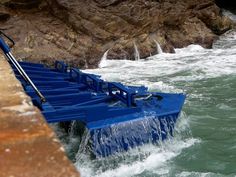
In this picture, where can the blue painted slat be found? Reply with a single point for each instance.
(74, 95)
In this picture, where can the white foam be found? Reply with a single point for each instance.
(190, 49)
(158, 159)
(229, 14)
(136, 52)
(188, 64)
(197, 174)
(103, 62)
(159, 49)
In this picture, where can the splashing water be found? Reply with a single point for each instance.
(204, 142)
(127, 135)
(138, 160)
(103, 62)
(136, 52)
(159, 50)
(229, 14)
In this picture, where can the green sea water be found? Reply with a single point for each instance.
(211, 110)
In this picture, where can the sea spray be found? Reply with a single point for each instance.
(70, 135)
(124, 136)
(75, 134)
(103, 62)
(136, 160)
(159, 49)
(136, 52)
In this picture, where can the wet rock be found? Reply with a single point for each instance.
(210, 15)
(227, 4)
(4, 16)
(22, 4)
(81, 31)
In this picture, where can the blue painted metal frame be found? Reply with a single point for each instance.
(66, 94)
(74, 95)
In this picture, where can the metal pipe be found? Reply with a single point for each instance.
(8, 58)
(24, 75)
(6, 50)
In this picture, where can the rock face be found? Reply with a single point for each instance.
(80, 31)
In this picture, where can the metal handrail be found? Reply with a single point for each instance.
(7, 52)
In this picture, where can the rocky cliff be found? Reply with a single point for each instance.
(80, 31)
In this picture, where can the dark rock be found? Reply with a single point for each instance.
(228, 4)
(4, 16)
(80, 31)
(22, 4)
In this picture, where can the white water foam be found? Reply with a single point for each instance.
(159, 50)
(158, 159)
(136, 52)
(147, 158)
(103, 62)
(197, 174)
(189, 49)
(160, 72)
(229, 14)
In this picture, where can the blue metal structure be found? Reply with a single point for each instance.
(117, 117)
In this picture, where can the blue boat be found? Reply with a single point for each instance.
(117, 117)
